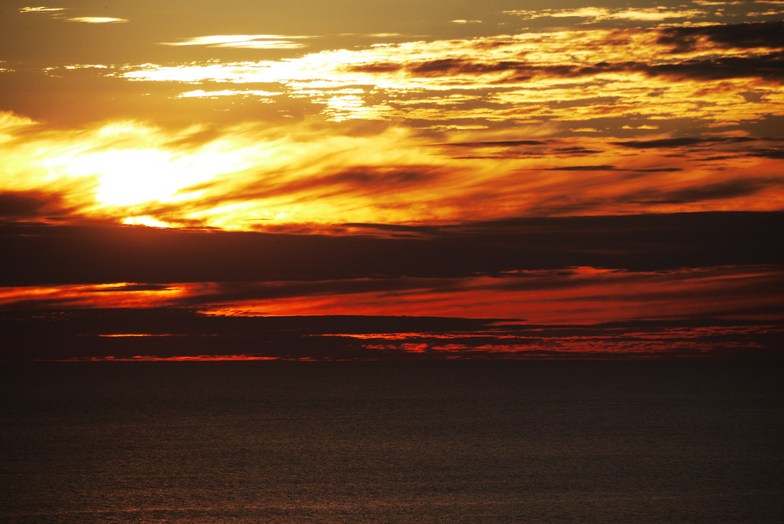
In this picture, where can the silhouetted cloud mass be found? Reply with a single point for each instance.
(29, 204)
(123, 334)
(105, 254)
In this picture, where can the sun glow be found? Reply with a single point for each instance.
(147, 221)
(425, 129)
(252, 176)
(131, 177)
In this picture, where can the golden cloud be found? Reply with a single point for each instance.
(97, 20)
(243, 41)
(252, 177)
(715, 73)
(41, 9)
(598, 14)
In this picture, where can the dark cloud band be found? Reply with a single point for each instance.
(40, 255)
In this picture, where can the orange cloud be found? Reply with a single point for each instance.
(118, 295)
(544, 297)
(578, 296)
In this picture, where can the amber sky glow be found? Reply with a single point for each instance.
(395, 120)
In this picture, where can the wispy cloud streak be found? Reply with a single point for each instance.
(97, 20)
(41, 9)
(599, 14)
(243, 41)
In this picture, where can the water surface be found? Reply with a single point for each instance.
(392, 442)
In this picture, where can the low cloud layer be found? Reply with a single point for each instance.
(144, 335)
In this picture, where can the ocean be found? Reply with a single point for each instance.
(392, 442)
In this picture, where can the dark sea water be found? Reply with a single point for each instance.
(392, 442)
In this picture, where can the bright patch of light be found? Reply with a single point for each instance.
(146, 221)
(243, 41)
(97, 20)
(201, 93)
(41, 9)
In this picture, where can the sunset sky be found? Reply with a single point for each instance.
(310, 180)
